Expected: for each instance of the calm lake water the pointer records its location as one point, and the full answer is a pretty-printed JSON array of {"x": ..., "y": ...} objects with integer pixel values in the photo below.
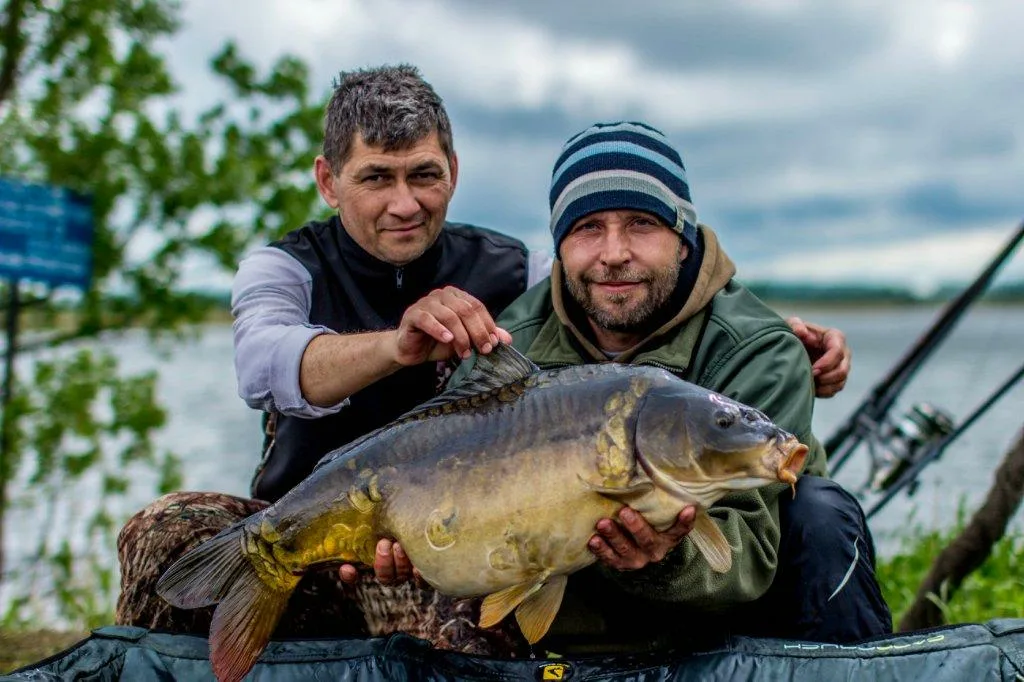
[{"x": 219, "y": 439}]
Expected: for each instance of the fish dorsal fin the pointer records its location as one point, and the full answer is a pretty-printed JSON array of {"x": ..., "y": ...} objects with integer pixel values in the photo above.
[
  {"x": 501, "y": 367},
  {"x": 538, "y": 611},
  {"x": 499, "y": 604},
  {"x": 711, "y": 543}
]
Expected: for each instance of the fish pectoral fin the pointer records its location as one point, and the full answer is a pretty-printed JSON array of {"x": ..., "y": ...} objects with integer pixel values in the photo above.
[
  {"x": 636, "y": 486},
  {"x": 538, "y": 611},
  {"x": 499, "y": 604},
  {"x": 711, "y": 543}
]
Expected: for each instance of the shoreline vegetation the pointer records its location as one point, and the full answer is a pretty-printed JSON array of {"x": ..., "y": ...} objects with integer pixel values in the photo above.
[
  {"x": 217, "y": 304},
  {"x": 995, "y": 590}
]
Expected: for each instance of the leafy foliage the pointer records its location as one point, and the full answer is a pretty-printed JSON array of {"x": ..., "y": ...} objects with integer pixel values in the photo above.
[
  {"x": 90, "y": 431},
  {"x": 88, "y": 101}
]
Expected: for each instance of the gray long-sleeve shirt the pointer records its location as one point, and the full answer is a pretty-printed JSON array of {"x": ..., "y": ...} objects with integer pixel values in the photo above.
[{"x": 270, "y": 302}]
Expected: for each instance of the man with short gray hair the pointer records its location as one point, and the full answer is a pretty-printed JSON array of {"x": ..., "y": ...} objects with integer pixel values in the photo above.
[{"x": 341, "y": 326}]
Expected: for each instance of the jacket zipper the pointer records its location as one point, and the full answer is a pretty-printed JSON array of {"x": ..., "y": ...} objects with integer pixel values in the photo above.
[
  {"x": 655, "y": 363},
  {"x": 399, "y": 272}
]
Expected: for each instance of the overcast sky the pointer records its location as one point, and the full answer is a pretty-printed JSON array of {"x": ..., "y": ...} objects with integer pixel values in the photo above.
[{"x": 829, "y": 140}]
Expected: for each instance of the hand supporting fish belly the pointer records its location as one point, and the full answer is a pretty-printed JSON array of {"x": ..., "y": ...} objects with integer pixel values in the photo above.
[
  {"x": 633, "y": 543},
  {"x": 493, "y": 488}
]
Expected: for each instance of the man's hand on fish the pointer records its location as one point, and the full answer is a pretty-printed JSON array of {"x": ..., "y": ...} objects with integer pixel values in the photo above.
[
  {"x": 642, "y": 544},
  {"x": 829, "y": 354},
  {"x": 391, "y": 566},
  {"x": 444, "y": 323}
]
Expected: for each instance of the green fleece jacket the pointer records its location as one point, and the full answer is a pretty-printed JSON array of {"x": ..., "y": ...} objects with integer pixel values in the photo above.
[{"x": 725, "y": 339}]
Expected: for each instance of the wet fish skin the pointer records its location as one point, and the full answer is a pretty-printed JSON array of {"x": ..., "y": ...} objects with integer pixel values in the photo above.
[{"x": 492, "y": 489}]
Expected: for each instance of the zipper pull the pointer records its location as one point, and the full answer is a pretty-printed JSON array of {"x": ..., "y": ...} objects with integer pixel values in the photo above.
[{"x": 398, "y": 277}]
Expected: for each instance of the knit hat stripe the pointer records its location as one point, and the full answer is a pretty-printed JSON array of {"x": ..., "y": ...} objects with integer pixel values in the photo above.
[
  {"x": 634, "y": 127},
  {"x": 609, "y": 180},
  {"x": 648, "y": 142},
  {"x": 616, "y": 157},
  {"x": 636, "y": 200}
]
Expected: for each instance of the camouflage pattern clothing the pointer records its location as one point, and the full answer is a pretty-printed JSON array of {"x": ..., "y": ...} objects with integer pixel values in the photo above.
[{"x": 322, "y": 605}]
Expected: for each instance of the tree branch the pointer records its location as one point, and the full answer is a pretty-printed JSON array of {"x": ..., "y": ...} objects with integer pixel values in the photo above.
[
  {"x": 14, "y": 42},
  {"x": 972, "y": 547}
]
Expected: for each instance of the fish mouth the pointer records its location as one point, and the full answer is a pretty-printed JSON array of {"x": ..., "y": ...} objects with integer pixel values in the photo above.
[{"x": 795, "y": 454}]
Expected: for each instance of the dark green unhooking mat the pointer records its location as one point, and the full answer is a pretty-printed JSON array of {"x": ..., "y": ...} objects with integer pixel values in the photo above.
[{"x": 993, "y": 651}]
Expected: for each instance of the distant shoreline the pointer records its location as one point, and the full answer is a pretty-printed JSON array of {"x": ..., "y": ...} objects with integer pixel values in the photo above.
[
  {"x": 869, "y": 304},
  {"x": 788, "y": 299}
]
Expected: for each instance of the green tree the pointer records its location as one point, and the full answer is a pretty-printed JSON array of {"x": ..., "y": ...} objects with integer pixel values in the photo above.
[{"x": 87, "y": 101}]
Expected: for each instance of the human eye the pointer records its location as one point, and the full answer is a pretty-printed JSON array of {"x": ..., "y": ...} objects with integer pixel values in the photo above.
[
  {"x": 644, "y": 221},
  {"x": 429, "y": 173}
]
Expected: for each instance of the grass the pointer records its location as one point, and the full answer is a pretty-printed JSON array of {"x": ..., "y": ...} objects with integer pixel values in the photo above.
[
  {"x": 21, "y": 647},
  {"x": 995, "y": 590}
]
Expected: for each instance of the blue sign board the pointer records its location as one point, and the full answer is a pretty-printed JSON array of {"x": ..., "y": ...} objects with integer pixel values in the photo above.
[{"x": 46, "y": 234}]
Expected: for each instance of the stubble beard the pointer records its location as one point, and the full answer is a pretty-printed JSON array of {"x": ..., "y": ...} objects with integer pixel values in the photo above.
[{"x": 614, "y": 312}]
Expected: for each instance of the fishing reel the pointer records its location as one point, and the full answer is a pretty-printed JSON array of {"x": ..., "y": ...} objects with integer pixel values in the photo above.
[{"x": 899, "y": 444}]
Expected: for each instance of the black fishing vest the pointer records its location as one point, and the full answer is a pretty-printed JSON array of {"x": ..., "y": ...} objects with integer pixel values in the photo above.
[{"x": 354, "y": 292}]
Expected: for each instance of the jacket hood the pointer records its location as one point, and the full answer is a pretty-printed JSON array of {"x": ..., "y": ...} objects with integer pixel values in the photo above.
[{"x": 715, "y": 272}]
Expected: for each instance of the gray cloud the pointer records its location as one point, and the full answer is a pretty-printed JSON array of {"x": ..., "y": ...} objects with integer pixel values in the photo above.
[
  {"x": 807, "y": 128},
  {"x": 720, "y": 36}
]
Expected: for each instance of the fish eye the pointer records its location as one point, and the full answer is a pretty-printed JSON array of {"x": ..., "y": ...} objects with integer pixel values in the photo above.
[{"x": 725, "y": 419}]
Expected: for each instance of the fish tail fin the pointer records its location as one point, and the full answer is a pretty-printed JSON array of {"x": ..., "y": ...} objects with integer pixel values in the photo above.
[
  {"x": 242, "y": 625},
  {"x": 220, "y": 572},
  {"x": 204, "y": 574}
]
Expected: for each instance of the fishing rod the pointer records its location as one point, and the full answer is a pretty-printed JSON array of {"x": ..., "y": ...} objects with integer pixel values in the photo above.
[
  {"x": 870, "y": 414},
  {"x": 906, "y": 473}
]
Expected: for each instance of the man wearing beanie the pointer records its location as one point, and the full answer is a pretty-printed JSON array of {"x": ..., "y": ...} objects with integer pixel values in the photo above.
[{"x": 638, "y": 280}]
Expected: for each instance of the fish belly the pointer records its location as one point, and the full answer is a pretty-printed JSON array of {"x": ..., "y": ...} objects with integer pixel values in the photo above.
[{"x": 485, "y": 528}]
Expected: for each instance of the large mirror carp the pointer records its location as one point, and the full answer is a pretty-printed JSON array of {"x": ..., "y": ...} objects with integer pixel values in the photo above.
[{"x": 493, "y": 489}]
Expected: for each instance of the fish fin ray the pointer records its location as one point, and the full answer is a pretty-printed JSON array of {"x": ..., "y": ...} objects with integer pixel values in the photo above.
[
  {"x": 538, "y": 611},
  {"x": 502, "y": 366},
  {"x": 497, "y": 605},
  {"x": 204, "y": 574},
  {"x": 711, "y": 543},
  {"x": 242, "y": 626},
  {"x": 636, "y": 486}
]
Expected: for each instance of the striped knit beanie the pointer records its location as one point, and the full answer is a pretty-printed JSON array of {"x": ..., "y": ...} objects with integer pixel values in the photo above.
[{"x": 615, "y": 166}]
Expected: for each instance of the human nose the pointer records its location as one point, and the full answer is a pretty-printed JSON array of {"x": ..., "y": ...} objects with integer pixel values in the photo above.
[
  {"x": 403, "y": 203},
  {"x": 615, "y": 249}
]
